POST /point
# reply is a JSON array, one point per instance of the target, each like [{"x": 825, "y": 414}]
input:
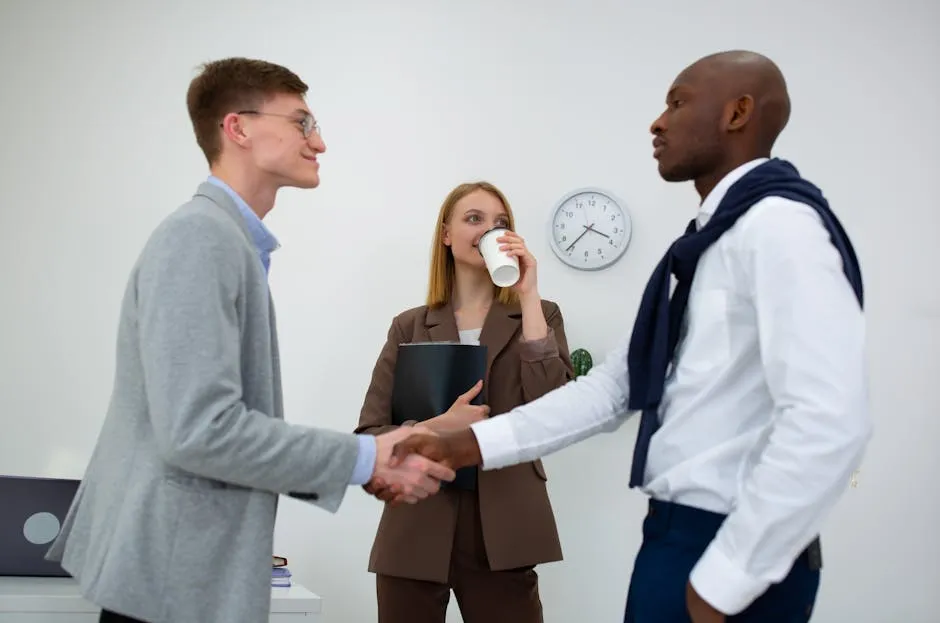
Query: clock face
[{"x": 590, "y": 229}]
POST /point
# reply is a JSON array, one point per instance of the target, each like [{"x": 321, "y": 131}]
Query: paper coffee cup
[{"x": 503, "y": 268}]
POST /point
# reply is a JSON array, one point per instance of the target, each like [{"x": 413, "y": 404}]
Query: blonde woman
[{"x": 484, "y": 541}]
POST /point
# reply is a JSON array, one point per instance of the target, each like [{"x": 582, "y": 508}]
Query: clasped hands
[{"x": 412, "y": 461}]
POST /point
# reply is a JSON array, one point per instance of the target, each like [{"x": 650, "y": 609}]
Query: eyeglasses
[{"x": 307, "y": 123}]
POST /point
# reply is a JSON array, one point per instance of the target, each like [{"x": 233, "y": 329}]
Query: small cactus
[{"x": 581, "y": 361}]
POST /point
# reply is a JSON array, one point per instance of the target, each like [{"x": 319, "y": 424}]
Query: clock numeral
[
  {"x": 613, "y": 216},
  {"x": 611, "y": 242},
  {"x": 565, "y": 239},
  {"x": 570, "y": 214},
  {"x": 616, "y": 231},
  {"x": 585, "y": 254}
]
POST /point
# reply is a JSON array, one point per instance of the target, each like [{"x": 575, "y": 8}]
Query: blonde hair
[{"x": 441, "y": 281}]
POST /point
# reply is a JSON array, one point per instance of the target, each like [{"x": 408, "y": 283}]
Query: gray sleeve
[{"x": 188, "y": 282}]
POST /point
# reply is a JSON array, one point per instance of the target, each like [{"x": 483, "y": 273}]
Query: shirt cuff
[
  {"x": 497, "y": 442},
  {"x": 365, "y": 461},
  {"x": 722, "y": 584}
]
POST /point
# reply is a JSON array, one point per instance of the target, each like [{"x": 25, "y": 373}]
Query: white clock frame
[{"x": 625, "y": 234}]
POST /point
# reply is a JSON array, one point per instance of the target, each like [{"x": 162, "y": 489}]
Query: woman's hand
[
  {"x": 534, "y": 326},
  {"x": 460, "y": 415},
  {"x": 514, "y": 245}
]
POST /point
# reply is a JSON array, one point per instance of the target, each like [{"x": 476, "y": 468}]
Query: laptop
[{"x": 33, "y": 512}]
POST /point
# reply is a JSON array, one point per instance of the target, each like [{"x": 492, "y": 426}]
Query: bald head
[
  {"x": 741, "y": 74},
  {"x": 722, "y": 110}
]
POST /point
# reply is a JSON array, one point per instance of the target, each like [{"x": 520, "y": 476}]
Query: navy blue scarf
[{"x": 656, "y": 331}]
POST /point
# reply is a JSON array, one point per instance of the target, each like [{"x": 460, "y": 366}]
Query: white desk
[{"x": 57, "y": 600}]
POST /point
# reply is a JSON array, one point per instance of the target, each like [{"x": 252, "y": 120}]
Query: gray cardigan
[{"x": 174, "y": 519}]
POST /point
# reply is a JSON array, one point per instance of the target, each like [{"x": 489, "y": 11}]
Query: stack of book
[{"x": 280, "y": 574}]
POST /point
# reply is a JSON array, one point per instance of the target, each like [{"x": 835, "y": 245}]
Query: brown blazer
[{"x": 414, "y": 541}]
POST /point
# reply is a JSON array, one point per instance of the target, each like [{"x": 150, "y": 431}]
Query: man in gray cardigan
[{"x": 174, "y": 519}]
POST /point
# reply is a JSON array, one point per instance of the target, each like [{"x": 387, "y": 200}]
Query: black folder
[{"x": 429, "y": 377}]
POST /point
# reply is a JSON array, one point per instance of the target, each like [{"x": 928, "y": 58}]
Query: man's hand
[
  {"x": 406, "y": 481},
  {"x": 458, "y": 417},
  {"x": 699, "y": 609},
  {"x": 454, "y": 449}
]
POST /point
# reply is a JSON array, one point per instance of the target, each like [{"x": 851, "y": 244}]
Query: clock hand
[
  {"x": 586, "y": 230},
  {"x": 591, "y": 228}
]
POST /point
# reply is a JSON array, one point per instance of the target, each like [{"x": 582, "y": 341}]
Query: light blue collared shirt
[
  {"x": 266, "y": 244},
  {"x": 264, "y": 240}
]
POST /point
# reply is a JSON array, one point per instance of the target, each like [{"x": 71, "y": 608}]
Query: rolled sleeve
[{"x": 540, "y": 349}]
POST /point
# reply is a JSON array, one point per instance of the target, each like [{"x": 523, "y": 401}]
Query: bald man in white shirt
[{"x": 750, "y": 378}]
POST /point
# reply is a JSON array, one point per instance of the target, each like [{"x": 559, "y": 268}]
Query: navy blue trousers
[{"x": 674, "y": 538}]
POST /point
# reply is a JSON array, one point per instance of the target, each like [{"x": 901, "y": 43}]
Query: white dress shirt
[{"x": 764, "y": 415}]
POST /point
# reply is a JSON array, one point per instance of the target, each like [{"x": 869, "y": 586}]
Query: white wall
[{"x": 96, "y": 149}]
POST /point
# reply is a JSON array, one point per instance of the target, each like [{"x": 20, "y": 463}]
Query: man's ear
[
  {"x": 738, "y": 113},
  {"x": 233, "y": 128}
]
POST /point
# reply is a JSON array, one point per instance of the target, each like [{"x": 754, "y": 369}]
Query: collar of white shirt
[{"x": 710, "y": 204}]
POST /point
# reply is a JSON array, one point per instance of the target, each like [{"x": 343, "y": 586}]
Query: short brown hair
[
  {"x": 230, "y": 85},
  {"x": 441, "y": 281}
]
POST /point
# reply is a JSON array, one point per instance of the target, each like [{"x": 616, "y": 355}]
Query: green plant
[{"x": 581, "y": 361}]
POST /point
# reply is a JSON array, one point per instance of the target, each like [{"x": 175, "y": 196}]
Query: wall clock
[{"x": 590, "y": 229}]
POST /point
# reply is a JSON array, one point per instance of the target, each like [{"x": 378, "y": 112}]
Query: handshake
[{"x": 412, "y": 461}]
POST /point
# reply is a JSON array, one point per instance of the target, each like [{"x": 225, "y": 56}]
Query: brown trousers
[{"x": 484, "y": 596}]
